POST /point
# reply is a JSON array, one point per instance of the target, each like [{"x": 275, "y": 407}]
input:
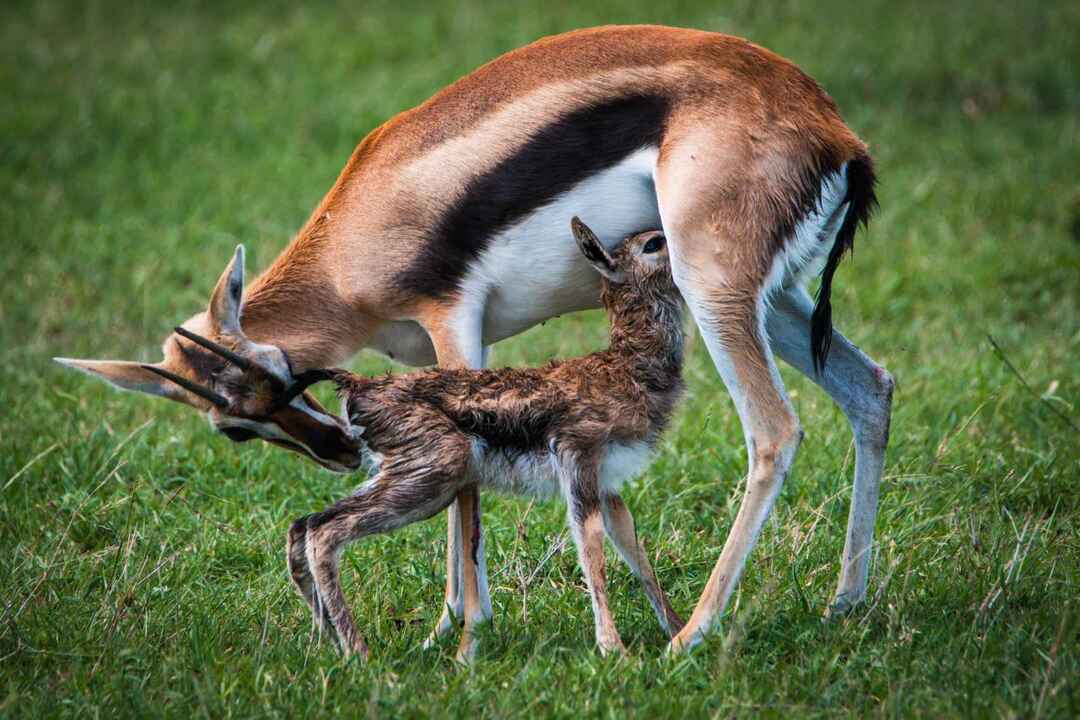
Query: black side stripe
[{"x": 554, "y": 160}]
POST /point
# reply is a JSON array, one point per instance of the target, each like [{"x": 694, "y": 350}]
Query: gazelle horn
[
  {"x": 302, "y": 382},
  {"x": 204, "y": 393},
  {"x": 240, "y": 362}
]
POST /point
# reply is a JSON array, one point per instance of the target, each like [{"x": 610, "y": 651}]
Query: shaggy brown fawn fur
[{"x": 578, "y": 428}]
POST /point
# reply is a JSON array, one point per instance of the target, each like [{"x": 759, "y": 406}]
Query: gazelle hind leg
[
  {"x": 619, "y": 526},
  {"x": 722, "y": 259},
  {"x": 773, "y": 434},
  {"x": 863, "y": 390}
]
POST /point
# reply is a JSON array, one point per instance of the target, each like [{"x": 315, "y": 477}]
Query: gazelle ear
[
  {"x": 224, "y": 310},
  {"x": 127, "y": 376},
  {"x": 593, "y": 251}
]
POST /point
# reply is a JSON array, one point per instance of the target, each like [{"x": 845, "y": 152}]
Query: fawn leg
[
  {"x": 407, "y": 489},
  {"x": 300, "y": 572},
  {"x": 863, "y": 390},
  {"x": 468, "y": 503},
  {"x": 581, "y": 487},
  {"x": 619, "y": 525}
]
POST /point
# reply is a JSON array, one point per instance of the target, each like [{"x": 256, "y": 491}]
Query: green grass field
[{"x": 142, "y": 564}]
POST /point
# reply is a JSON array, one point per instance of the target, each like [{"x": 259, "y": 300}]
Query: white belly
[
  {"x": 533, "y": 271},
  {"x": 537, "y": 474}
]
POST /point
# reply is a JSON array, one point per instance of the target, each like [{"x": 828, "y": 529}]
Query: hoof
[
  {"x": 442, "y": 627},
  {"x": 609, "y": 643},
  {"x": 682, "y": 643},
  {"x": 355, "y": 651},
  {"x": 617, "y": 649},
  {"x": 840, "y": 607},
  {"x": 466, "y": 654},
  {"x": 675, "y": 624}
]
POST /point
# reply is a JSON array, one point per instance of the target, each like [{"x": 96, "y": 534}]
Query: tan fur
[{"x": 745, "y": 130}]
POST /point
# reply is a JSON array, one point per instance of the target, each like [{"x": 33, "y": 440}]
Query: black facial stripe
[{"x": 552, "y": 162}]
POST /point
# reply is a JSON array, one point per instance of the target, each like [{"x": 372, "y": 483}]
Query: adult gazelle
[{"x": 448, "y": 231}]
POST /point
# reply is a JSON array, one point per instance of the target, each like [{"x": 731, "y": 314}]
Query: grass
[{"x": 143, "y": 556}]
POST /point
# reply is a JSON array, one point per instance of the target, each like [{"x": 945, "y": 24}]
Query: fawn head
[
  {"x": 247, "y": 389},
  {"x": 641, "y": 261}
]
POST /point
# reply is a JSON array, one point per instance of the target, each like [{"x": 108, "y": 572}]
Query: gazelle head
[
  {"x": 640, "y": 260},
  {"x": 247, "y": 389}
]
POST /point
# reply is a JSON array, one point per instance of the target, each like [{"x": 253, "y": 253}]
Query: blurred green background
[{"x": 143, "y": 555}]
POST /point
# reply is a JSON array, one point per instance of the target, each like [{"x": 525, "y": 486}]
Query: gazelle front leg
[
  {"x": 863, "y": 390},
  {"x": 452, "y": 602},
  {"x": 455, "y": 333}
]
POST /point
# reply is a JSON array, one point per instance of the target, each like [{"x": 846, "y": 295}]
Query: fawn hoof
[{"x": 357, "y": 651}]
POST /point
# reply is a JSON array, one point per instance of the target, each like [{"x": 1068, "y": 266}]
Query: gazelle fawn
[
  {"x": 577, "y": 429},
  {"x": 446, "y": 233}
]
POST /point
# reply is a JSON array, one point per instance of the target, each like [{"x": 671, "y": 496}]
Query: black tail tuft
[{"x": 861, "y": 202}]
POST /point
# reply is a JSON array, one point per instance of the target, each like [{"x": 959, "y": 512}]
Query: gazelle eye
[
  {"x": 239, "y": 434},
  {"x": 653, "y": 245}
]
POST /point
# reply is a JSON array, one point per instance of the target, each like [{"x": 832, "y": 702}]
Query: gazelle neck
[{"x": 296, "y": 306}]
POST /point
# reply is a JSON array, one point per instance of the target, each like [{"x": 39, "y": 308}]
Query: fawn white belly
[
  {"x": 533, "y": 270},
  {"x": 537, "y": 473}
]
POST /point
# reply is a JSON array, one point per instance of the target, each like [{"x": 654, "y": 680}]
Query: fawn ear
[
  {"x": 593, "y": 251},
  {"x": 224, "y": 310}
]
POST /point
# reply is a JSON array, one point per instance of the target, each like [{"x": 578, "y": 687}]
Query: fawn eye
[{"x": 653, "y": 245}]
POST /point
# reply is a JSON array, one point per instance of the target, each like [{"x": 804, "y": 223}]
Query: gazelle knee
[
  {"x": 871, "y": 423},
  {"x": 774, "y": 453}
]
